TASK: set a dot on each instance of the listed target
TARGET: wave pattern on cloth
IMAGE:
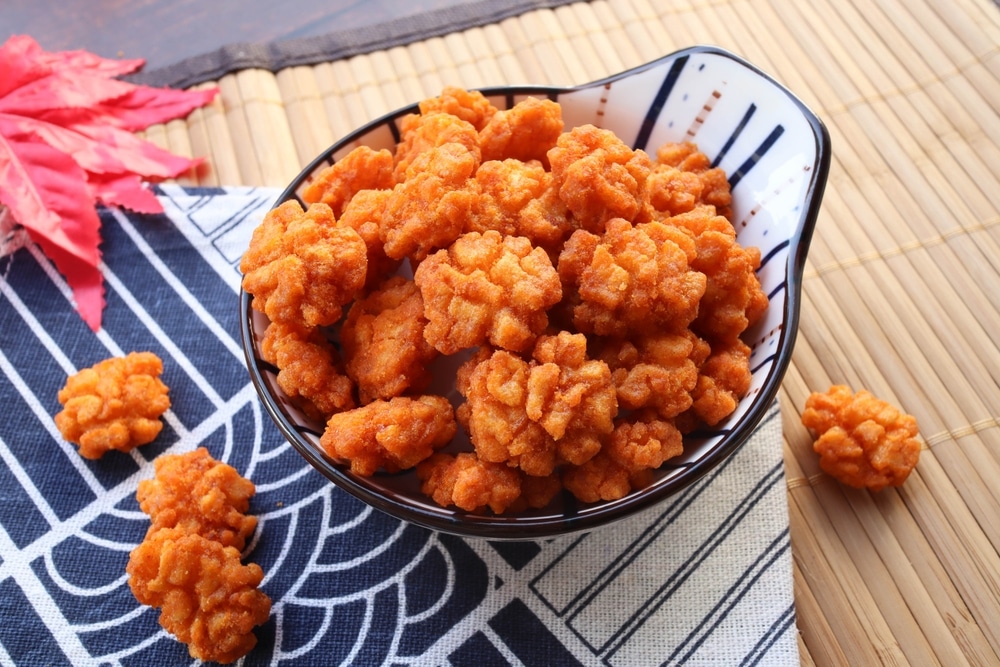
(704, 579)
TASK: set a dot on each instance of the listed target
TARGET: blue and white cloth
(704, 579)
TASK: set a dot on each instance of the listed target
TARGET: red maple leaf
(67, 144)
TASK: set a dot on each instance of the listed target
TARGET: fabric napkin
(703, 579)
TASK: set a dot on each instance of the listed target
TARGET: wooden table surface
(165, 32)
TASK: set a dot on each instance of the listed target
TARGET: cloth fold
(705, 578)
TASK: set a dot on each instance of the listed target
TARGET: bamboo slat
(902, 286)
(306, 115)
(273, 150)
(211, 139)
(251, 172)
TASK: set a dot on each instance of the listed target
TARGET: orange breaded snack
(634, 448)
(188, 564)
(114, 404)
(303, 268)
(207, 598)
(644, 443)
(309, 369)
(600, 478)
(361, 169)
(733, 298)
(468, 482)
(495, 388)
(656, 371)
(862, 440)
(723, 379)
(524, 132)
(468, 105)
(393, 434)
(197, 494)
(537, 415)
(363, 214)
(420, 134)
(383, 339)
(537, 492)
(631, 279)
(571, 395)
(547, 221)
(599, 177)
(487, 287)
(683, 178)
(516, 198)
(427, 211)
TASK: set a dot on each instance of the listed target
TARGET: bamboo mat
(902, 290)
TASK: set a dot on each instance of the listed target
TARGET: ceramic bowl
(776, 154)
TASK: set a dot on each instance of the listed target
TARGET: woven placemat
(902, 294)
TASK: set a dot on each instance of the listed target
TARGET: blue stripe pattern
(772, 138)
(659, 101)
(744, 121)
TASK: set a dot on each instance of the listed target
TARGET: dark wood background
(166, 31)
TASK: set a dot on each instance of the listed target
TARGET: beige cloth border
(902, 290)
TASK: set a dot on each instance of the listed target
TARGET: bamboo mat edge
(902, 289)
